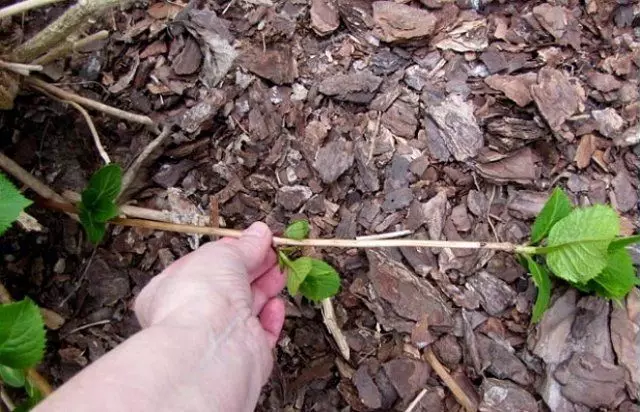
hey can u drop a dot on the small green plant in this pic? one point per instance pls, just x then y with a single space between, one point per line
12 203
315 279
98 204
22 342
580 246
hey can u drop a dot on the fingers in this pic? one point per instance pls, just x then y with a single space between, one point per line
266 287
255 248
272 320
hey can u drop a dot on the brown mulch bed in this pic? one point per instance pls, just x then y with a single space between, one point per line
449 119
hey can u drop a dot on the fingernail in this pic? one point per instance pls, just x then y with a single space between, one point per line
257 229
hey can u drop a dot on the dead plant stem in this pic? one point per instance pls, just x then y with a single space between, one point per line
20 68
468 404
58 31
24 6
89 103
94 131
69 47
340 243
133 170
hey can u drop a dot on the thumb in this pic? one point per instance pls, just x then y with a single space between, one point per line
255 248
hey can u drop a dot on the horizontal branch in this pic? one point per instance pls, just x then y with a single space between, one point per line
24 6
340 243
89 103
58 31
70 46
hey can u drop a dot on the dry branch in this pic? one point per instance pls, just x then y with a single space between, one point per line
133 170
467 403
19 68
28 179
89 103
24 6
94 131
58 31
70 46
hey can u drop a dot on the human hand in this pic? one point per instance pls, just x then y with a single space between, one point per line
210 322
225 293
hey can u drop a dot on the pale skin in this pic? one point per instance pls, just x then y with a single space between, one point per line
209 322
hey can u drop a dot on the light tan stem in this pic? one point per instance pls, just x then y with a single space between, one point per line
28 179
133 170
22 69
468 404
330 321
94 131
327 243
63 205
6 400
58 31
89 103
24 6
69 47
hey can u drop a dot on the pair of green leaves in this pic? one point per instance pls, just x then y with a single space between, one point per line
12 203
315 279
22 342
581 246
98 204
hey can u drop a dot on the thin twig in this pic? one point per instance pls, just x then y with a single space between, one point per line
69 47
22 69
57 202
389 235
133 170
89 103
451 383
94 131
24 6
28 179
56 32
416 401
6 399
330 321
341 243
87 326
81 279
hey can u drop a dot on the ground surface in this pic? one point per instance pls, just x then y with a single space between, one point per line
363 117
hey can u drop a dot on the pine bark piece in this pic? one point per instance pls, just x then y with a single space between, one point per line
556 98
398 22
458 126
324 17
352 87
516 88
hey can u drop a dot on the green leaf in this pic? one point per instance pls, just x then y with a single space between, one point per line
297 271
297 230
321 282
12 377
98 201
622 242
577 244
557 207
617 278
540 276
105 212
95 229
22 335
104 185
11 203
